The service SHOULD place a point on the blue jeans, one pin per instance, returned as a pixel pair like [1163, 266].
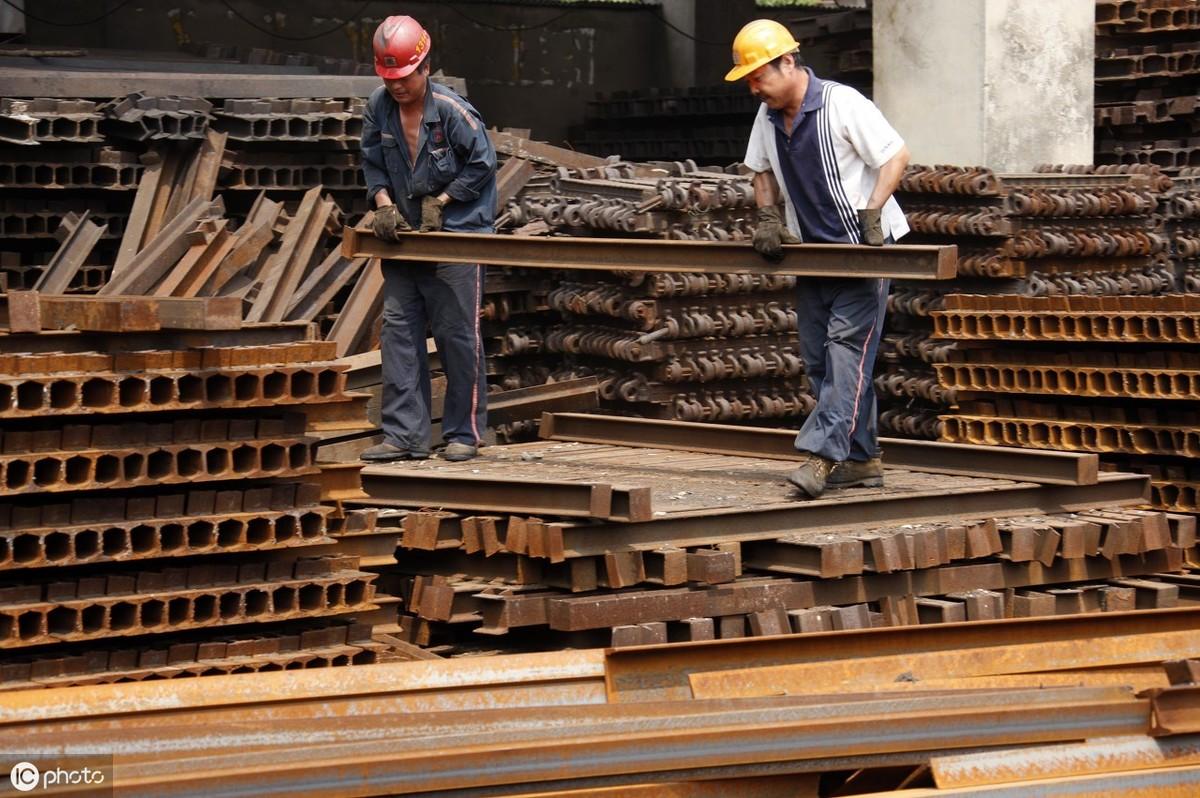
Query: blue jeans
[447, 297]
[840, 322]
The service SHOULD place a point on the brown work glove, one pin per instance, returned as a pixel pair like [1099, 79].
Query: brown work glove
[389, 223]
[431, 214]
[771, 234]
[870, 222]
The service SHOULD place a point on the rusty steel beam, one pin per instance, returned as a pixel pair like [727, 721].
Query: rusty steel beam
[652, 255]
[1104, 755]
[401, 487]
[832, 514]
[84, 341]
[517, 680]
[1050, 468]
[384, 767]
[655, 673]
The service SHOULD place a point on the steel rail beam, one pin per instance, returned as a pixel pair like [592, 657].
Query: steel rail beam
[573, 539]
[652, 673]
[1045, 467]
[396, 770]
[561, 677]
[1004, 656]
[432, 730]
[1165, 782]
[80, 341]
[652, 255]
[1111, 755]
[389, 486]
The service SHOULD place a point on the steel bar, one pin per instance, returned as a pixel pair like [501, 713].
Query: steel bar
[1104, 755]
[88, 341]
[662, 672]
[996, 500]
[651, 255]
[79, 238]
[388, 770]
[29, 311]
[531, 680]
[1175, 710]
[417, 488]
[1167, 782]
[1051, 468]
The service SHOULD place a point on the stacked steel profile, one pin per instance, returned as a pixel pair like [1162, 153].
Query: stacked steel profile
[1066, 231]
[626, 531]
[1147, 108]
[159, 494]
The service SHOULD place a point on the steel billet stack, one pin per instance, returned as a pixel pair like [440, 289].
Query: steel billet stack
[1146, 104]
[617, 531]
[158, 510]
[1063, 231]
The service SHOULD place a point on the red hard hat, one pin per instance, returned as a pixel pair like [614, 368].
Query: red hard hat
[401, 44]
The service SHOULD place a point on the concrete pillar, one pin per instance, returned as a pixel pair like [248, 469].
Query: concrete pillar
[1006, 84]
[681, 50]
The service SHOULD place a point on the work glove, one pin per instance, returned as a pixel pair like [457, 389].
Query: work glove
[870, 222]
[389, 223]
[431, 214]
[771, 234]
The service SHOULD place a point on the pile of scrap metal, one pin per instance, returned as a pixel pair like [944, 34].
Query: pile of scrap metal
[614, 531]
[1100, 259]
[159, 512]
[1063, 231]
[1146, 106]
[1033, 706]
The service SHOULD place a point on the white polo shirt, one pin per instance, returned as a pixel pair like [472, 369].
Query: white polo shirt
[830, 164]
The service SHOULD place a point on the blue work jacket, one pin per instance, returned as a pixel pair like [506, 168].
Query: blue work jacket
[454, 154]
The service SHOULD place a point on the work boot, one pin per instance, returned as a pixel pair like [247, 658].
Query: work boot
[457, 452]
[856, 473]
[811, 476]
[386, 452]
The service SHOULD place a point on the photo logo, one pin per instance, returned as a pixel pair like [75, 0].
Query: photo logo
[24, 776]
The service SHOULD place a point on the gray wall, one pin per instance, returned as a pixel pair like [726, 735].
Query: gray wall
[1002, 83]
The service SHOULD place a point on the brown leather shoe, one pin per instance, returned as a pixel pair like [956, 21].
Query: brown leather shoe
[811, 476]
[856, 473]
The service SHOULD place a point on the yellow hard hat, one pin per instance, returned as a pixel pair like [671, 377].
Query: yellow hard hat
[757, 43]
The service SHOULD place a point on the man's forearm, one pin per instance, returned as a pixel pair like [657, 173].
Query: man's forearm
[766, 189]
[889, 179]
[383, 198]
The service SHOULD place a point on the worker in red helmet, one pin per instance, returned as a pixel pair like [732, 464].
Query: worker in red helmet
[429, 166]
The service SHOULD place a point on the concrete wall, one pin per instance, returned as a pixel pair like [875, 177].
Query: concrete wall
[1002, 83]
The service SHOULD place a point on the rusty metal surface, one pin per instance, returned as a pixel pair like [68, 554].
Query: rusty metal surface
[1020, 464]
[914, 263]
[655, 673]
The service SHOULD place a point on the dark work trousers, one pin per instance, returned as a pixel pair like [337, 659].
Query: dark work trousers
[447, 297]
[840, 322]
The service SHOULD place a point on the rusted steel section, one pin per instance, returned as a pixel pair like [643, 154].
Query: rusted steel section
[658, 672]
[652, 255]
[1052, 468]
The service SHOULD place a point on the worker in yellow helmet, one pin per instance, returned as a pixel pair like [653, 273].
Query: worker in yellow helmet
[839, 162]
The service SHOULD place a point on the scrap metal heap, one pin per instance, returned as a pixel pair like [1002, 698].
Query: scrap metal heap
[1146, 103]
[159, 517]
[1063, 231]
[1119, 290]
[614, 531]
[695, 347]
